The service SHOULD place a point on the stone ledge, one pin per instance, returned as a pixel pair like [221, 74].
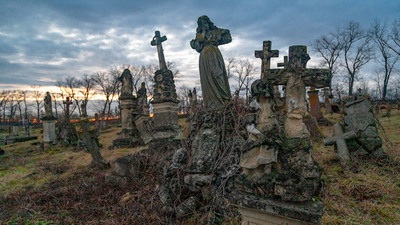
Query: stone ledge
[304, 213]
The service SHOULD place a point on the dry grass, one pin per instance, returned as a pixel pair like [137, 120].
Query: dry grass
[25, 165]
[365, 192]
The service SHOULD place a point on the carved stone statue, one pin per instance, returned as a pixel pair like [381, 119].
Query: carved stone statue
[142, 96]
[127, 84]
[213, 76]
[47, 106]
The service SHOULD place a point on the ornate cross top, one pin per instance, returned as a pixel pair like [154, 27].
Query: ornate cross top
[297, 62]
[157, 40]
[265, 55]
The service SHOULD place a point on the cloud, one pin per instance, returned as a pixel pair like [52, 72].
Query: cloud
[47, 40]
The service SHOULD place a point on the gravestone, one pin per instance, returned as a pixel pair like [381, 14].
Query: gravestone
[129, 136]
[49, 125]
[315, 107]
[165, 103]
[15, 130]
[339, 140]
[359, 118]
[283, 184]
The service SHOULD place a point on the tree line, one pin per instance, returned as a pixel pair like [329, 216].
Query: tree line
[348, 49]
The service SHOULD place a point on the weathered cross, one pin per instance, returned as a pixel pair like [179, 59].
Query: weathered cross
[298, 58]
[67, 102]
[265, 55]
[157, 40]
[340, 139]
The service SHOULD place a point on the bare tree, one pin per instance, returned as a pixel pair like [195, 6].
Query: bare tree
[108, 85]
[230, 67]
[379, 34]
[87, 87]
[3, 104]
[357, 51]
[69, 87]
[329, 48]
[244, 73]
[38, 96]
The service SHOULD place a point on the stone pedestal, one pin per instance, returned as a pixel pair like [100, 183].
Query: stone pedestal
[49, 131]
[129, 136]
[315, 108]
[165, 121]
[258, 211]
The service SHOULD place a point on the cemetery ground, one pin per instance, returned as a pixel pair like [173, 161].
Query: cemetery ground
[55, 186]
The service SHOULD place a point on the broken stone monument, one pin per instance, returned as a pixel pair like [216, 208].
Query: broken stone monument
[359, 117]
[90, 137]
[165, 103]
[49, 122]
[281, 183]
[129, 136]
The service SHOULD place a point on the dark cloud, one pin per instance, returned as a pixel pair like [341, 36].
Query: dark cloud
[50, 39]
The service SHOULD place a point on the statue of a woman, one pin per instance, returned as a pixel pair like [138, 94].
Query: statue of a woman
[127, 84]
[47, 106]
[213, 76]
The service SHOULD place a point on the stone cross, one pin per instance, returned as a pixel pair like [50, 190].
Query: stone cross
[67, 102]
[157, 40]
[340, 139]
[317, 78]
[265, 55]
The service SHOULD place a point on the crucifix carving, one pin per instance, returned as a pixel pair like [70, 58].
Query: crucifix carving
[157, 41]
[67, 102]
[265, 55]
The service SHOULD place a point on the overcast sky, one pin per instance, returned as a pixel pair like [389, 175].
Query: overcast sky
[43, 41]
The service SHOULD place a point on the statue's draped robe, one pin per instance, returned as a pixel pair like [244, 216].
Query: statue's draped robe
[213, 76]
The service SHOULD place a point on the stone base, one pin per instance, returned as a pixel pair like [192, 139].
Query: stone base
[257, 217]
[165, 121]
[257, 210]
[127, 139]
[49, 131]
[166, 144]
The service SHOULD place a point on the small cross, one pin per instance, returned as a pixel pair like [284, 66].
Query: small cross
[265, 55]
[339, 139]
[157, 41]
[67, 102]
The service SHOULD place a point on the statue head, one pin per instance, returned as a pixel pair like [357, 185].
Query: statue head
[143, 85]
[204, 23]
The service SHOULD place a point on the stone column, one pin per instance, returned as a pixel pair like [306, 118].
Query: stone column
[315, 108]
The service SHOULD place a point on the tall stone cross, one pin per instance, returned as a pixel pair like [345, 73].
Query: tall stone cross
[67, 102]
[265, 55]
[157, 40]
